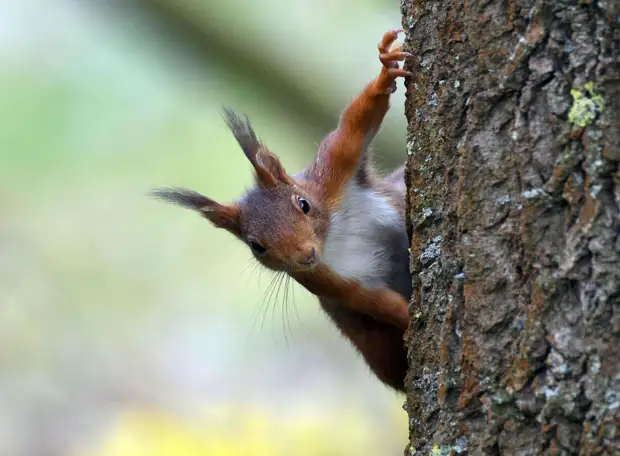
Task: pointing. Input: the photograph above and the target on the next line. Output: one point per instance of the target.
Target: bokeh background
(129, 327)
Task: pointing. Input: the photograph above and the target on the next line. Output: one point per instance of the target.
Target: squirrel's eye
(304, 205)
(258, 249)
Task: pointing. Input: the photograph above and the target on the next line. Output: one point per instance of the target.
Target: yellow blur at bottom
(230, 432)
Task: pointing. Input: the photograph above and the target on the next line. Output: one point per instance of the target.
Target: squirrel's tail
(397, 179)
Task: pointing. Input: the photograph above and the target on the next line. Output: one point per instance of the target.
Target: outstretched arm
(340, 152)
(383, 304)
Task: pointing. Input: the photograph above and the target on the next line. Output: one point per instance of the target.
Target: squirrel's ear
(222, 216)
(273, 165)
(269, 170)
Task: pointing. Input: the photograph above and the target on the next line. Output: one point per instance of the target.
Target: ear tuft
(222, 216)
(244, 134)
(269, 170)
(182, 197)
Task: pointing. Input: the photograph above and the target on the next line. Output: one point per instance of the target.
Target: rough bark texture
(513, 203)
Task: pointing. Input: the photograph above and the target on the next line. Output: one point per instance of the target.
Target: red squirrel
(336, 227)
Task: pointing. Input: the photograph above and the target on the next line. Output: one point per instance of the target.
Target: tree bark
(513, 214)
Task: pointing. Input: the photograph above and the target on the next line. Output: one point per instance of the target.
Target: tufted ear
(269, 170)
(222, 216)
(273, 165)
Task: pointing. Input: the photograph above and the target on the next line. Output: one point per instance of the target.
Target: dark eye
(258, 249)
(303, 204)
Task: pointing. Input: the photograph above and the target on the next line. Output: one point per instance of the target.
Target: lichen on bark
(514, 219)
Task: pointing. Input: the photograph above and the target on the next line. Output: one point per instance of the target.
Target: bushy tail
(397, 179)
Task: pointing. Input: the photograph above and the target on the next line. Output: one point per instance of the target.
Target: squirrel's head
(281, 219)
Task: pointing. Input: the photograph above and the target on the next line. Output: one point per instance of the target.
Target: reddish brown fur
(270, 215)
(380, 344)
(383, 305)
(339, 154)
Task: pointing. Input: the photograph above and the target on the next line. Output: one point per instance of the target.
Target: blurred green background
(129, 327)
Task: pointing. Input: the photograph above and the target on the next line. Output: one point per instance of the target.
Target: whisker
(283, 280)
(273, 298)
(295, 305)
(285, 306)
(264, 303)
(252, 262)
(257, 266)
(270, 290)
(260, 275)
(292, 285)
(261, 305)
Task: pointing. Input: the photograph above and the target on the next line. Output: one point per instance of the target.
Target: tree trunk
(513, 215)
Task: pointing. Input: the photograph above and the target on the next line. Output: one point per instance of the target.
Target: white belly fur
(354, 247)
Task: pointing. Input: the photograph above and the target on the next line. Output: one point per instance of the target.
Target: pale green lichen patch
(586, 105)
(443, 450)
(459, 447)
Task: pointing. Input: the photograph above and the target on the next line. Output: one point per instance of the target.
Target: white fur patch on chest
(355, 246)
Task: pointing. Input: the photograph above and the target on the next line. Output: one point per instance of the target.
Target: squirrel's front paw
(389, 57)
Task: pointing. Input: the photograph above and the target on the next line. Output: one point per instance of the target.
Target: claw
(388, 38)
(398, 72)
(396, 55)
(390, 56)
(390, 59)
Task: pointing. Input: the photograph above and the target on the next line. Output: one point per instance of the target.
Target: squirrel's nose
(306, 255)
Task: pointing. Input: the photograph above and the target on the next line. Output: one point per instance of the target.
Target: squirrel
(336, 227)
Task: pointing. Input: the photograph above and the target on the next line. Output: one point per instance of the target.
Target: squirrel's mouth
(311, 262)
(305, 265)
(305, 258)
